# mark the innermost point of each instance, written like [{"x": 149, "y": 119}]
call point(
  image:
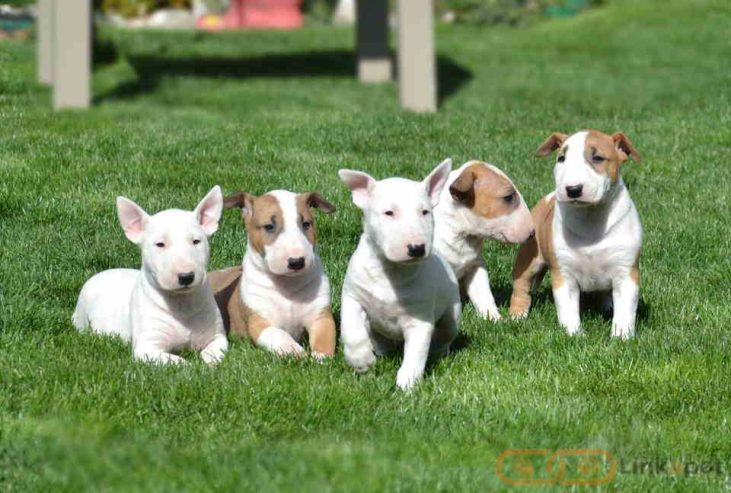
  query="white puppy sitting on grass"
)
[
  {"x": 168, "y": 305},
  {"x": 396, "y": 289}
]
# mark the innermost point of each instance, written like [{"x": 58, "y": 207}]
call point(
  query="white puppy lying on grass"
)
[
  {"x": 396, "y": 289},
  {"x": 168, "y": 305}
]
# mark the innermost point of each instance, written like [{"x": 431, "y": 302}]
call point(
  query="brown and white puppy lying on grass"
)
[
  {"x": 588, "y": 232},
  {"x": 281, "y": 289}
]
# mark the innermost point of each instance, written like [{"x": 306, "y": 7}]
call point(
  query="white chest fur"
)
[
  {"x": 394, "y": 298},
  {"x": 289, "y": 303},
  {"x": 597, "y": 246},
  {"x": 174, "y": 323}
]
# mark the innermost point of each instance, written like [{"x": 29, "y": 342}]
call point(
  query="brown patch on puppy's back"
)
[
  {"x": 483, "y": 190},
  {"x": 238, "y": 319},
  {"x": 226, "y": 286}
]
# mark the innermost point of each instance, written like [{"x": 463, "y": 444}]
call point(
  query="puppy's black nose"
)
[
  {"x": 574, "y": 192},
  {"x": 531, "y": 234},
  {"x": 186, "y": 278},
  {"x": 296, "y": 263},
  {"x": 416, "y": 251}
]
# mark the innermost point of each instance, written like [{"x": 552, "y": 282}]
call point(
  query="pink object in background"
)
[{"x": 262, "y": 14}]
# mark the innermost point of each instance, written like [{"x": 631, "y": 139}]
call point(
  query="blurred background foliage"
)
[
  {"x": 512, "y": 12},
  {"x": 132, "y": 8}
]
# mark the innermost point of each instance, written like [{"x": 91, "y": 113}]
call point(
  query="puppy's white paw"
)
[
  {"x": 176, "y": 360},
  {"x": 279, "y": 342},
  {"x": 573, "y": 329},
  {"x": 487, "y": 311},
  {"x": 623, "y": 331},
  {"x": 291, "y": 349},
  {"x": 407, "y": 378},
  {"x": 361, "y": 358},
  {"x": 212, "y": 357}
]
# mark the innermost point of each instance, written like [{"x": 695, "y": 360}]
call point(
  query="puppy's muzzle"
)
[
  {"x": 416, "y": 251},
  {"x": 574, "y": 191},
  {"x": 186, "y": 278},
  {"x": 296, "y": 263}
]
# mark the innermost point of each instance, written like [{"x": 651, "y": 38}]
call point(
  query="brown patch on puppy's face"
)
[
  {"x": 262, "y": 216},
  {"x": 264, "y": 222},
  {"x": 280, "y": 229},
  {"x": 488, "y": 193},
  {"x": 588, "y": 165},
  {"x": 606, "y": 153},
  {"x": 305, "y": 203},
  {"x": 498, "y": 206}
]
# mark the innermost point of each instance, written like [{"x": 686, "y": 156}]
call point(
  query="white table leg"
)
[
  {"x": 71, "y": 48},
  {"x": 416, "y": 58}
]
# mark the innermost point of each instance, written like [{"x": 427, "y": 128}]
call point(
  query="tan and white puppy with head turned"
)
[
  {"x": 396, "y": 289},
  {"x": 281, "y": 289},
  {"x": 168, "y": 305},
  {"x": 478, "y": 202},
  {"x": 588, "y": 232}
]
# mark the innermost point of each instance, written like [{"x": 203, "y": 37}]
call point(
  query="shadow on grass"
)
[
  {"x": 151, "y": 69},
  {"x": 590, "y": 303},
  {"x": 460, "y": 343}
]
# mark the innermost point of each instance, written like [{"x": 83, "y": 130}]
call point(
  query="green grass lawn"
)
[{"x": 176, "y": 113}]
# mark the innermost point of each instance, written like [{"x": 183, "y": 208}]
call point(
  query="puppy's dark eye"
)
[
  {"x": 561, "y": 158},
  {"x": 424, "y": 212},
  {"x": 306, "y": 225},
  {"x": 196, "y": 241},
  {"x": 509, "y": 198},
  {"x": 268, "y": 228},
  {"x": 160, "y": 244},
  {"x": 389, "y": 213},
  {"x": 597, "y": 158}
]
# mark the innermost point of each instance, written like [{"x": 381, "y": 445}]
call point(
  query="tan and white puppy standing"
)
[
  {"x": 168, "y": 305},
  {"x": 588, "y": 232},
  {"x": 281, "y": 289},
  {"x": 396, "y": 289},
  {"x": 478, "y": 202}
]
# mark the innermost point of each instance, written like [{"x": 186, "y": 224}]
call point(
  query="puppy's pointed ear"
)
[
  {"x": 208, "y": 211},
  {"x": 436, "y": 180},
  {"x": 625, "y": 147},
  {"x": 132, "y": 218},
  {"x": 462, "y": 189},
  {"x": 242, "y": 200},
  {"x": 360, "y": 184},
  {"x": 317, "y": 201},
  {"x": 553, "y": 142}
]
